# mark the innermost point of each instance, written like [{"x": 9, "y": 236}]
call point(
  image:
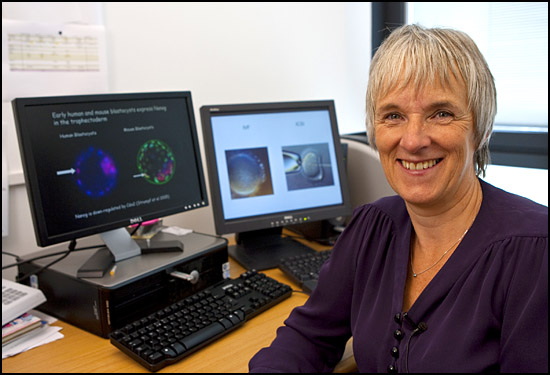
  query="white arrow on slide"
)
[{"x": 67, "y": 171}]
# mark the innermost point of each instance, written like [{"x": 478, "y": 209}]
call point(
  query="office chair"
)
[{"x": 366, "y": 179}]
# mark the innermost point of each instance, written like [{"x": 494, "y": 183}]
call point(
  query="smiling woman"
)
[
  {"x": 449, "y": 274},
  {"x": 415, "y": 127},
  {"x": 443, "y": 59},
  {"x": 425, "y": 131}
]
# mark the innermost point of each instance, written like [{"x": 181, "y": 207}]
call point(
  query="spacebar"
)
[{"x": 203, "y": 335}]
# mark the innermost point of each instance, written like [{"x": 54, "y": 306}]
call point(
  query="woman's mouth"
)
[{"x": 412, "y": 166}]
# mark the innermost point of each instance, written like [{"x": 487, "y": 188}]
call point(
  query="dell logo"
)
[{"x": 136, "y": 220}]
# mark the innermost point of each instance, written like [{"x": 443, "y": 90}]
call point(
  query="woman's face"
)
[{"x": 426, "y": 142}]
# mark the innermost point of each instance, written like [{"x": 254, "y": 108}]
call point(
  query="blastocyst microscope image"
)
[
  {"x": 156, "y": 162},
  {"x": 95, "y": 172}
]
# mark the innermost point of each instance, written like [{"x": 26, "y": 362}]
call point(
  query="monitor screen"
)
[
  {"x": 272, "y": 165},
  {"x": 98, "y": 163}
]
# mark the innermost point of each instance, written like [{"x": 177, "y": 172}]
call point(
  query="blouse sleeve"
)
[
  {"x": 314, "y": 336},
  {"x": 524, "y": 339}
]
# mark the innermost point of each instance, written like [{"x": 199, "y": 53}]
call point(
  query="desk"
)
[{"x": 81, "y": 351}]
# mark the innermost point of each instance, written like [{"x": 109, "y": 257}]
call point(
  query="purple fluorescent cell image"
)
[{"x": 96, "y": 172}]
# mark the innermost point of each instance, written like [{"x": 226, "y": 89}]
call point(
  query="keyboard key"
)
[
  {"x": 178, "y": 348},
  {"x": 202, "y": 335},
  {"x": 155, "y": 357}
]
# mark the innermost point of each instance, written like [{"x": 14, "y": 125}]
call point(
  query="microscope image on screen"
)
[
  {"x": 288, "y": 152},
  {"x": 95, "y": 171},
  {"x": 156, "y": 162},
  {"x": 307, "y": 166},
  {"x": 248, "y": 171}
]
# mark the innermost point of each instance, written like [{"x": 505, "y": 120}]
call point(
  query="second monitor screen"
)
[{"x": 275, "y": 162}]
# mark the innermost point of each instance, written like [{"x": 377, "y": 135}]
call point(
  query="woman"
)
[{"x": 451, "y": 275}]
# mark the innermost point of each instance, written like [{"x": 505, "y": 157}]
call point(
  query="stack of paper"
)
[
  {"x": 18, "y": 327},
  {"x": 30, "y": 330}
]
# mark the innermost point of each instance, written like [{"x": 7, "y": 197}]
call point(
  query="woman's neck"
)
[{"x": 439, "y": 224}]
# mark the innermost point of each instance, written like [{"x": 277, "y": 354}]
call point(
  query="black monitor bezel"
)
[
  {"x": 279, "y": 219},
  {"x": 43, "y": 238}
]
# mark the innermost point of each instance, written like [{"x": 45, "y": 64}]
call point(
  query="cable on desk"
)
[
  {"x": 71, "y": 248},
  {"x": 19, "y": 261}
]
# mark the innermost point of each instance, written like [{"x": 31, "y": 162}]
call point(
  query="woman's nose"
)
[{"x": 415, "y": 135}]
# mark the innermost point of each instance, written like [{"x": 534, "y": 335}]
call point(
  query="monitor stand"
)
[
  {"x": 263, "y": 249},
  {"x": 120, "y": 245}
]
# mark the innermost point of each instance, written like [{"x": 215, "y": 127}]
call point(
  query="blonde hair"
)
[{"x": 416, "y": 55}]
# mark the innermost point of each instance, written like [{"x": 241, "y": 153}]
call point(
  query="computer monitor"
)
[
  {"x": 272, "y": 165},
  {"x": 99, "y": 163}
]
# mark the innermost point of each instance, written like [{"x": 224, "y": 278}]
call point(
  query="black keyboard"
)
[
  {"x": 304, "y": 269},
  {"x": 172, "y": 333}
]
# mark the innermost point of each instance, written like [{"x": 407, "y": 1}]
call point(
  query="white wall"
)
[
  {"x": 224, "y": 53},
  {"x": 243, "y": 52}
]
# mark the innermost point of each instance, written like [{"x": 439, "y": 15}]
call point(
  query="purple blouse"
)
[{"x": 486, "y": 310}]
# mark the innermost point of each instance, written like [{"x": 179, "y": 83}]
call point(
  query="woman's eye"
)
[
  {"x": 443, "y": 117},
  {"x": 393, "y": 116},
  {"x": 443, "y": 114}
]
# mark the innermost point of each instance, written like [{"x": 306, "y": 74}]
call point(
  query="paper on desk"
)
[
  {"x": 38, "y": 337},
  {"x": 177, "y": 231},
  {"x": 43, "y": 316},
  {"x": 33, "y": 339}
]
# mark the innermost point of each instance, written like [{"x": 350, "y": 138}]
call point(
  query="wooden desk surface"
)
[{"x": 81, "y": 351}]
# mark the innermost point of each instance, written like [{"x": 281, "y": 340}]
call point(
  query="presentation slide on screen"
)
[
  {"x": 275, "y": 162},
  {"x": 110, "y": 161}
]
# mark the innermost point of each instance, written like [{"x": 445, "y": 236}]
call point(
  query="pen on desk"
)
[{"x": 113, "y": 270}]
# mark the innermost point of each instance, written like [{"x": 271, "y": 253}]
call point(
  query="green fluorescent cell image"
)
[{"x": 156, "y": 162}]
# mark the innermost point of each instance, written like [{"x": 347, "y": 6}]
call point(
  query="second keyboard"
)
[
  {"x": 180, "y": 329},
  {"x": 304, "y": 269}
]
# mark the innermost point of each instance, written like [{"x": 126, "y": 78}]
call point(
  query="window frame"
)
[{"x": 514, "y": 148}]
